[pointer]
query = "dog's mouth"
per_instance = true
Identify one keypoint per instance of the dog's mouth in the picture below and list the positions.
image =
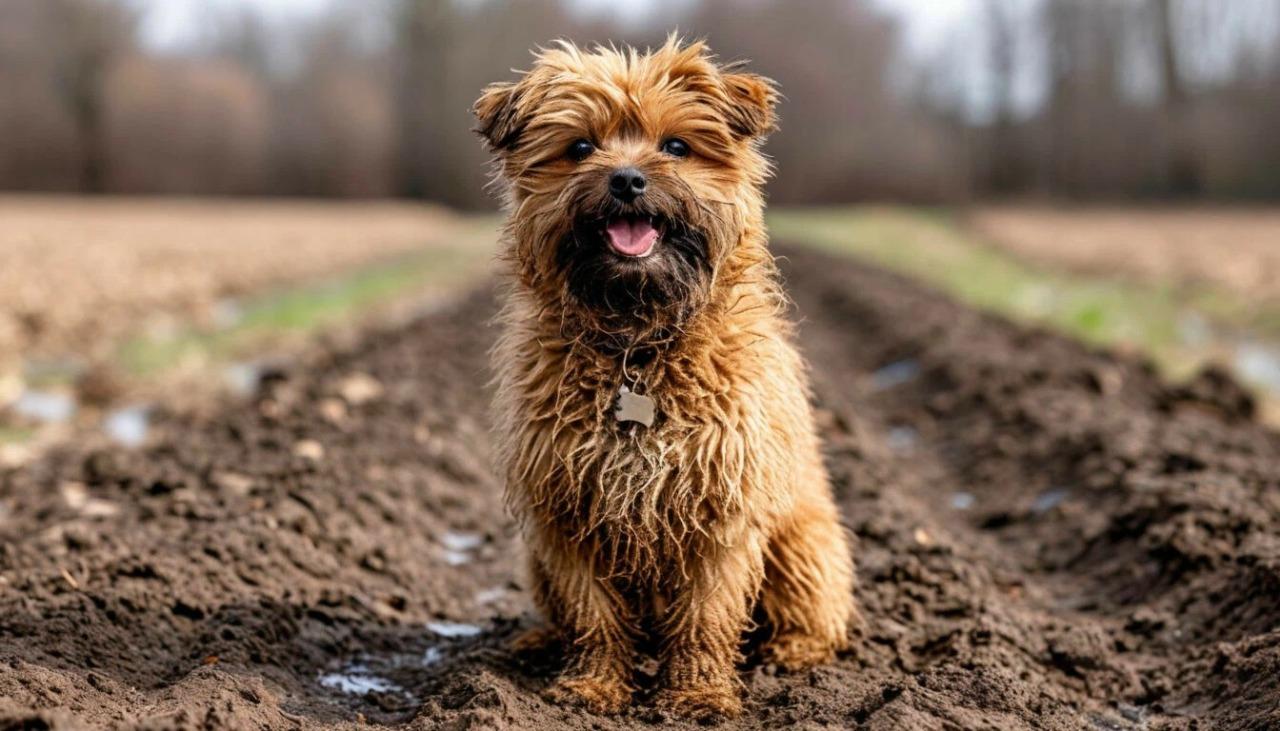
(632, 236)
(634, 262)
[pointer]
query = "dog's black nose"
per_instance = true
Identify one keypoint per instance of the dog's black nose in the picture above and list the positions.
(626, 184)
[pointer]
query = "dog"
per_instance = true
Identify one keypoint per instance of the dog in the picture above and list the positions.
(652, 413)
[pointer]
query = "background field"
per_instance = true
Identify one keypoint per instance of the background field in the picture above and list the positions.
(121, 304)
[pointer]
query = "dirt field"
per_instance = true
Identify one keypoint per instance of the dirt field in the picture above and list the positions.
(77, 273)
(1236, 249)
(1048, 538)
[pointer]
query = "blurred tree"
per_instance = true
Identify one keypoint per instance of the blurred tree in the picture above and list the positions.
(422, 91)
(1131, 97)
(1005, 173)
(96, 34)
(193, 127)
(241, 35)
(1182, 166)
(334, 126)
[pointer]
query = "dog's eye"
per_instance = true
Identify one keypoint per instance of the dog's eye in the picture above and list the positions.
(676, 147)
(580, 150)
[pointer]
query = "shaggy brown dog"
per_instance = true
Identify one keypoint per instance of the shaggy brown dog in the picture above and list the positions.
(640, 280)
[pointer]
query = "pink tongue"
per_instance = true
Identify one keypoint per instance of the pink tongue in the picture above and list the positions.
(632, 237)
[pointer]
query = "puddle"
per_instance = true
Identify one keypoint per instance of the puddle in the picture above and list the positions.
(128, 426)
(1049, 499)
(358, 679)
(462, 541)
(243, 378)
(902, 438)
(456, 558)
(963, 500)
(48, 407)
(457, 547)
(372, 673)
(454, 629)
(895, 374)
(1259, 364)
(226, 314)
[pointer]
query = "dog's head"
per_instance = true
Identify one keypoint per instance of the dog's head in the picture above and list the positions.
(630, 176)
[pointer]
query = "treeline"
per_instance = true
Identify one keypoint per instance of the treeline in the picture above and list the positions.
(1130, 99)
(1069, 98)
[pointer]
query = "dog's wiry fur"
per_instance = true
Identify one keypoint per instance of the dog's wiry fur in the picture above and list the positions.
(681, 533)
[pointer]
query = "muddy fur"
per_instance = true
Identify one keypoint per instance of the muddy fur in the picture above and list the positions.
(672, 536)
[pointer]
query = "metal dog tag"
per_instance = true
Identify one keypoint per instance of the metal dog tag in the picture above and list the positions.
(634, 407)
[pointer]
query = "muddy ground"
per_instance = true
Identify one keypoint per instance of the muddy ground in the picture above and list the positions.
(1048, 538)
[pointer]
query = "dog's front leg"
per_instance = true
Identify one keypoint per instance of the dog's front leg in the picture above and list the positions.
(703, 630)
(597, 624)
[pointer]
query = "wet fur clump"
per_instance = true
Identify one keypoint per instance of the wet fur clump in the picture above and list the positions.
(675, 536)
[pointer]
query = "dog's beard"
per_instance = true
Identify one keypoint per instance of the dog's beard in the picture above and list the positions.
(656, 291)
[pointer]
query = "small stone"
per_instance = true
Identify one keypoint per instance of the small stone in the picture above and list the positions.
(333, 410)
(96, 508)
(46, 407)
(74, 494)
(77, 497)
(233, 483)
(359, 388)
(489, 596)
(309, 449)
(922, 537)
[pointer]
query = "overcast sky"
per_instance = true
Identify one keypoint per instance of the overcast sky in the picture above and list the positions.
(930, 32)
(173, 23)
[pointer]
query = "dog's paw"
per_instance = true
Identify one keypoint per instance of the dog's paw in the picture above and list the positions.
(703, 704)
(597, 695)
(795, 652)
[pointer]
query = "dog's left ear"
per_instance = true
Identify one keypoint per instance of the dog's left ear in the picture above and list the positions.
(496, 116)
(753, 100)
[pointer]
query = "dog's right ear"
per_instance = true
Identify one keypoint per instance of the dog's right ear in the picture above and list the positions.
(496, 116)
(755, 100)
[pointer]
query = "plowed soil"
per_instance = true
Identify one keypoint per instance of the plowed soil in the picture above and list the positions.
(1048, 538)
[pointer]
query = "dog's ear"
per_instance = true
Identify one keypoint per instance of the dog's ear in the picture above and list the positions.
(497, 119)
(753, 102)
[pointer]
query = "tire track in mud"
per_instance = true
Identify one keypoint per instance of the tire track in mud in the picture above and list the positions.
(1047, 538)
